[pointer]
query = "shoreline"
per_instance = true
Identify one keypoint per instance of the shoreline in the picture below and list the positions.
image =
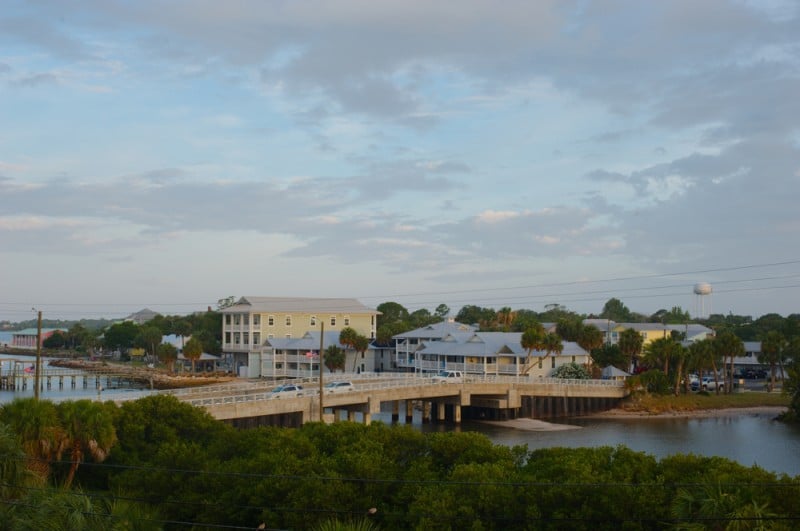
(534, 425)
(619, 413)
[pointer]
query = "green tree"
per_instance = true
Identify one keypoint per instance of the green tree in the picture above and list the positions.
(334, 358)
(168, 355)
(88, 431)
(360, 345)
(420, 318)
(38, 427)
(505, 318)
(551, 344)
(182, 328)
(630, 343)
(120, 336)
(391, 312)
(772, 353)
(590, 338)
(192, 351)
(659, 352)
(56, 340)
(615, 310)
(569, 328)
(728, 347)
(442, 311)
(532, 339)
(610, 355)
(15, 477)
(149, 338)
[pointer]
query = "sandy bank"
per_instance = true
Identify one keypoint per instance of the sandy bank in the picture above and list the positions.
(697, 413)
(530, 425)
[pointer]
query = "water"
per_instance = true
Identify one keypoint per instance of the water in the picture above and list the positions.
(55, 394)
(749, 439)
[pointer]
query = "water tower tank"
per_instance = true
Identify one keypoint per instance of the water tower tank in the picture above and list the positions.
(702, 288)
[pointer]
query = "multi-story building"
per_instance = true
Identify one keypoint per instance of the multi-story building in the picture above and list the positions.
(248, 324)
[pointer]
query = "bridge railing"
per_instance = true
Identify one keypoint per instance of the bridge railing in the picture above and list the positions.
(253, 393)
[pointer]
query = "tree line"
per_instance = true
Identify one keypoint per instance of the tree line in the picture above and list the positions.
(157, 463)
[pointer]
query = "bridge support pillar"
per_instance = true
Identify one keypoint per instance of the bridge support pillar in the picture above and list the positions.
(426, 411)
(367, 418)
(457, 413)
(351, 416)
(395, 410)
(409, 411)
(441, 411)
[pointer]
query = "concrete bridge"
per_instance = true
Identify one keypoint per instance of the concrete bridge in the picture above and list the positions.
(488, 397)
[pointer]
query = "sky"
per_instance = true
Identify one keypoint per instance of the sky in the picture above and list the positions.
(170, 154)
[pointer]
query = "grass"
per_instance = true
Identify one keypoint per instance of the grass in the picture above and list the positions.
(643, 402)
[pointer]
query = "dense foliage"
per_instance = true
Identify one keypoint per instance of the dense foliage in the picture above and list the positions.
(174, 467)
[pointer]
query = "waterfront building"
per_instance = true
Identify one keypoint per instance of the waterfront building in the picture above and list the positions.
(251, 322)
(27, 338)
(690, 332)
(454, 346)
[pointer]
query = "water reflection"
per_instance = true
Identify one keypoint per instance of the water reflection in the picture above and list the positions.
(749, 439)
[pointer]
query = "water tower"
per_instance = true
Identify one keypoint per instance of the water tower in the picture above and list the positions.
(701, 291)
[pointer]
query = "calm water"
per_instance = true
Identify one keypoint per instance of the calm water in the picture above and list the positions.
(55, 394)
(749, 439)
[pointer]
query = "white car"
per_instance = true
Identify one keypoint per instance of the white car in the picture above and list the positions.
(286, 390)
(339, 387)
(449, 377)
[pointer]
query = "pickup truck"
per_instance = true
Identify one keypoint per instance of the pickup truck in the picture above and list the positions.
(449, 377)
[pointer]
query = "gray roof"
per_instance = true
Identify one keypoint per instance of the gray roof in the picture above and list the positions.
(436, 330)
(612, 372)
(309, 341)
(491, 344)
(691, 329)
(601, 324)
(297, 304)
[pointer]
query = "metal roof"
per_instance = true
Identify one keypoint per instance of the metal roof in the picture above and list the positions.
(436, 330)
(297, 305)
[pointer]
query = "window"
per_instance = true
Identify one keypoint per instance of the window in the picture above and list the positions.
(236, 338)
(257, 320)
(256, 338)
(347, 320)
(271, 320)
(227, 337)
(228, 319)
(313, 320)
(246, 318)
(552, 363)
(246, 337)
(540, 363)
(333, 320)
(573, 359)
(237, 319)
(288, 320)
(373, 320)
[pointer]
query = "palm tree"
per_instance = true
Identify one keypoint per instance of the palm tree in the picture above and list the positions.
(590, 338)
(14, 475)
(772, 353)
(88, 430)
(680, 354)
(551, 344)
(630, 343)
(167, 354)
(37, 426)
(360, 345)
(505, 317)
(532, 339)
(192, 351)
(728, 346)
(660, 352)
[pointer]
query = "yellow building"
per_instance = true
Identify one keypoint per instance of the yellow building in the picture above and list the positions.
(249, 323)
(652, 331)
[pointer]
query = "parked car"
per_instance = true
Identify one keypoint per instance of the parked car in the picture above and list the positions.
(449, 377)
(339, 387)
(286, 390)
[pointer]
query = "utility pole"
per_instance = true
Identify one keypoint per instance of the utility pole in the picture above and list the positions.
(37, 370)
(321, 388)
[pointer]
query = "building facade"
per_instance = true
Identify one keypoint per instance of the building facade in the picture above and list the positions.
(251, 322)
